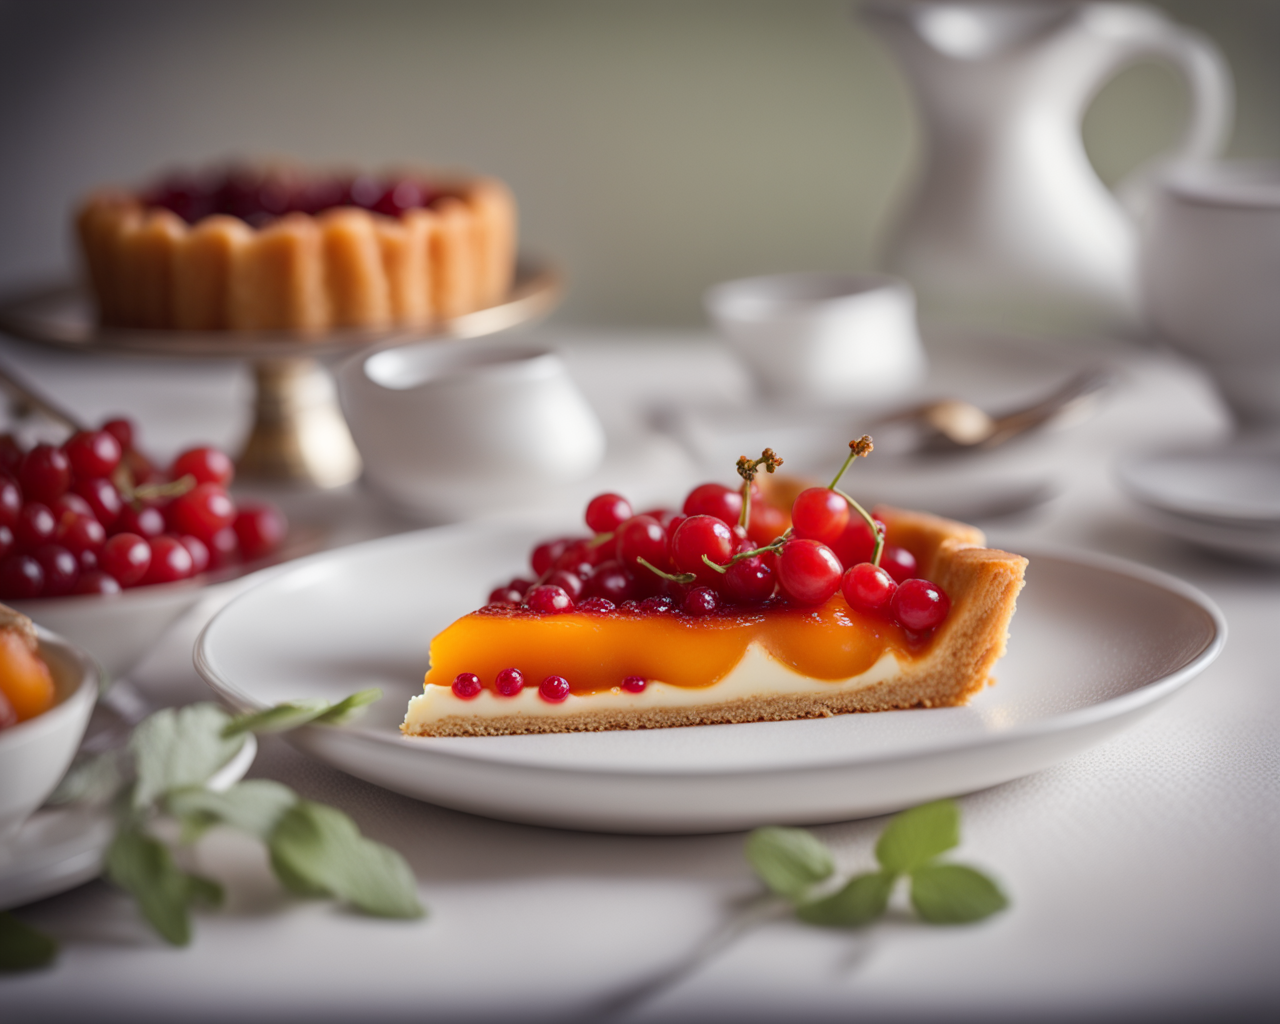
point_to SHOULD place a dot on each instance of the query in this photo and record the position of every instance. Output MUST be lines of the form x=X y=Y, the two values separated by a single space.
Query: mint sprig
x=797 y=865
x=22 y=948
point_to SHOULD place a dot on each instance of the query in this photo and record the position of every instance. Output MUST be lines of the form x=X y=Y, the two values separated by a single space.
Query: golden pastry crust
x=983 y=584
x=343 y=268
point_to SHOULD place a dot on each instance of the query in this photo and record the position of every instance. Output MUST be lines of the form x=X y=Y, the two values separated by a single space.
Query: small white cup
x=829 y=338
x=455 y=429
x=1211 y=278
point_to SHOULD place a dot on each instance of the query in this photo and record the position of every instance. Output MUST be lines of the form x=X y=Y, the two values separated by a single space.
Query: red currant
x=635 y=684
x=898 y=563
x=467 y=685
x=80 y=532
x=749 y=581
x=198 y=551
x=224 y=548
x=139 y=466
x=554 y=689
x=147 y=521
x=612 y=582
x=10 y=500
x=642 y=537
x=20 y=577
x=61 y=569
x=768 y=522
x=207 y=465
x=808 y=571
x=606 y=512
x=714 y=500
x=7 y=541
x=95 y=581
x=260 y=529
x=45 y=474
x=36 y=525
x=569 y=582
x=102 y=496
x=548 y=599
x=203 y=511
x=509 y=682
x=122 y=430
x=170 y=561
x=505 y=595
x=702 y=535
x=856 y=544
x=126 y=557
x=700 y=601
x=919 y=605
x=597 y=606
x=93 y=453
x=72 y=503
x=867 y=587
x=546 y=553
x=819 y=513
x=10 y=454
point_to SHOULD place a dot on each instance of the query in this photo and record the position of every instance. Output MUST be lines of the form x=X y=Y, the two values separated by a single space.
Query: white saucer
x=1096 y=643
x=1233 y=486
x=58 y=848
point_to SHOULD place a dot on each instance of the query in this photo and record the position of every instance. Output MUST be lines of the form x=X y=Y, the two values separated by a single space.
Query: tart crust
x=345 y=267
x=948 y=670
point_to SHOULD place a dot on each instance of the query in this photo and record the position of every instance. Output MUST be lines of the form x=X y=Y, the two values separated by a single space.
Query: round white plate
x=1095 y=644
x=1228 y=486
x=58 y=848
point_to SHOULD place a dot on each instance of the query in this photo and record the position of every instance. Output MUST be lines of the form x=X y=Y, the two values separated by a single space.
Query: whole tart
x=772 y=662
x=281 y=249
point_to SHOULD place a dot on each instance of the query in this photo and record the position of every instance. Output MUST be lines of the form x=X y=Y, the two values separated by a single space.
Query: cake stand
x=298 y=433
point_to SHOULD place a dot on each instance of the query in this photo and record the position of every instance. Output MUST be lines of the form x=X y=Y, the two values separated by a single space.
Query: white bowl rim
x=1246 y=184
x=796 y=292
x=431 y=363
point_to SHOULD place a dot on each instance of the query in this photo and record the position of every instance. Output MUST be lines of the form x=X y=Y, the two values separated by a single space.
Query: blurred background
x=655 y=148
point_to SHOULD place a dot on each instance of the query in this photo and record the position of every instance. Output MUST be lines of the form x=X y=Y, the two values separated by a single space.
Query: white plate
x=1096 y=643
x=1229 y=486
x=58 y=848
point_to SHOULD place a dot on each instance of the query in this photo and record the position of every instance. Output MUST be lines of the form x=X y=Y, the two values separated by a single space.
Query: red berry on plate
x=202 y=511
x=750 y=581
x=466 y=685
x=102 y=497
x=170 y=561
x=147 y=521
x=606 y=512
x=569 y=582
x=10 y=500
x=36 y=525
x=45 y=474
x=61 y=569
x=260 y=529
x=198 y=550
x=700 y=601
x=868 y=588
x=612 y=582
x=898 y=563
x=20 y=577
x=509 y=682
x=596 y=605
x=659 y=604
x=122 y=430
x=724 y=503
x=80 y=532
x=93 y=453
x=554 y=689
x=642 y=537
x=634 y=684
x=95 y=581
x=207 y=465
x=701 y=535
x=919 y=605
x=548 y=599
x=808 y=571
x=126 y=558
x=819 y=513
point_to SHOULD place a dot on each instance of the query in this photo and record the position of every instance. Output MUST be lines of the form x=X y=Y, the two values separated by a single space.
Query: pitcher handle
x=1141 y=32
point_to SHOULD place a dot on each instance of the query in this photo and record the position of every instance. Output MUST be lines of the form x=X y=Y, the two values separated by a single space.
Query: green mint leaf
x=789 y=860
x=280 y=718
x=22 y=948
x=255 y=806
x=915 y=837
x=178 y=748
x=143 y=867
x=861 y=901
x=93 y=780
x=349 y=707
x=318 y=849
x=203 y=892
x=954 y=894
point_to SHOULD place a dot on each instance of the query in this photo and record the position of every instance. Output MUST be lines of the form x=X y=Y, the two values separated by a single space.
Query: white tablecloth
x=1143 y=873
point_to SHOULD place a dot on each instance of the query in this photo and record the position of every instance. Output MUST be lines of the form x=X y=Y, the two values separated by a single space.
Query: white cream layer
x=758 y=674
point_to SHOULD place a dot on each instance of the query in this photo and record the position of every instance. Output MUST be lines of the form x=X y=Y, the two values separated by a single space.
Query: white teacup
x=830 y=338
x=1211 y=278
x=456 y=429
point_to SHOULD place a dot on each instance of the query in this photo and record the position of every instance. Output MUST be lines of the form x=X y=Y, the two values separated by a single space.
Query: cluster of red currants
x=94 y=516
x=705 y=557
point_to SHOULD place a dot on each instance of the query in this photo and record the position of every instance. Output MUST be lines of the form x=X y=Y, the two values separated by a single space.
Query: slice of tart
x=509 y=669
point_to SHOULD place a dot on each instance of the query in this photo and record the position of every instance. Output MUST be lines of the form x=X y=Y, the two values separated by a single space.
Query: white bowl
x=830 y=338
x=34 y=754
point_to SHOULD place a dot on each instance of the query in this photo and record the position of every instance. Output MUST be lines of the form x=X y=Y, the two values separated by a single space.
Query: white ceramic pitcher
x=1009 y=224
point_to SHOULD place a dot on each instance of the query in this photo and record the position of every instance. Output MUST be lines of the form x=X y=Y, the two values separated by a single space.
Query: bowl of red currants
x=100 y=544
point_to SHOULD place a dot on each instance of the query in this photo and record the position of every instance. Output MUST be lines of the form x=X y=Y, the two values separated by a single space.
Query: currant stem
x=601 y=538
x=860 y=448
x=747 y=469
x=149 y=492
x=718 y=568
x=678 y=577
x=871 y=523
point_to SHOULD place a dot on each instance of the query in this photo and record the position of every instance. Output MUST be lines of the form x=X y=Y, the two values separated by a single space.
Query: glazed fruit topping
x=467 y=685
x=634 y=684
x=554 y=689
x=94 y=516
x=509 y=682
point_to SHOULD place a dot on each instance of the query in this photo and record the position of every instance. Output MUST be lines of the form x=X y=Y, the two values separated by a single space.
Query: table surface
x=1142 y=873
